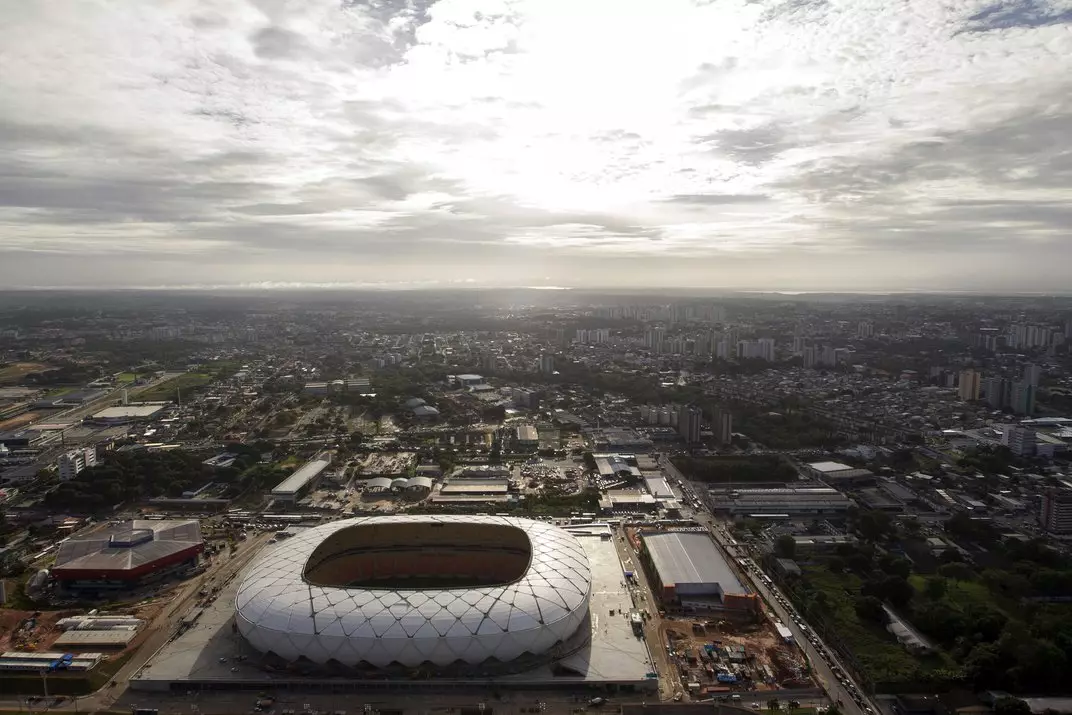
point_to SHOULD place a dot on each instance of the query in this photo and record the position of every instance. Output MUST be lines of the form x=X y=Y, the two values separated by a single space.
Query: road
x=822 y=658
x=643 y=600
x=165 y=626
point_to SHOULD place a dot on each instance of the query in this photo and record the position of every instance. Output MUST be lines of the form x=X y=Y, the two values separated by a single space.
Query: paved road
x=822 y=658
x=643 y=600
x=163 y=628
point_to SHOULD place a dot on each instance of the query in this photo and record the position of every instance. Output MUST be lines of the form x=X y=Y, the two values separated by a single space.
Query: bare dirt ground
x=17 y=370
x=704 y=648
x=19 y=420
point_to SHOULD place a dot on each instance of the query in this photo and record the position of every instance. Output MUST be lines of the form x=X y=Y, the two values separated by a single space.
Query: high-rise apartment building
x=1022 y=398
x=722 y=426
x=689 y=423
x=654 y=339
x=995 y=390
x=762 y=349
x=968 y=385
x=73 y=462
x=1055 y=511
x=865 y=329
x=547 y=364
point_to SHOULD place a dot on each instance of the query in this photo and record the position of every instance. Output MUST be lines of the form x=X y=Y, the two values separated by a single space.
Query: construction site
x=720 y=658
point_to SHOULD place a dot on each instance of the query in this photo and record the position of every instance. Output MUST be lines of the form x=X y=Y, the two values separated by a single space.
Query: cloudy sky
x=757 y=144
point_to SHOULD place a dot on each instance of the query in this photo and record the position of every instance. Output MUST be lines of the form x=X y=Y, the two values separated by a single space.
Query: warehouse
x=472 y=487
x=688 y=570
x=300 y=481
x=527 y=437
x=80 y=640
x=126 y=414
x=128 y=555
x=781 y=503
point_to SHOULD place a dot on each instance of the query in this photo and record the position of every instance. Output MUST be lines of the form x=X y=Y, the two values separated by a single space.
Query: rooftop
x=691 y=557
x=128 y=412
x=301 y=477
x=128 y=546
x=825 y=467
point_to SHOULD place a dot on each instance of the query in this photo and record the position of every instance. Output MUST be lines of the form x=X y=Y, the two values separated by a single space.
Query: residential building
x=722 y=426
x=547 y=364
x=995 y=390
x=689 y=421
x=1021 y=441
x=654 y=339
x=73 y=462
x=1022 y=398
x=1055 y=512
x=968 y=385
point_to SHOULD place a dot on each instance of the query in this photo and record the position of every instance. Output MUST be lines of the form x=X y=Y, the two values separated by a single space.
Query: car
x=597 y=701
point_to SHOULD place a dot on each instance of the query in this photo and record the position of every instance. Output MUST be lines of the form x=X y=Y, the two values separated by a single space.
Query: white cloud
x=728 y=142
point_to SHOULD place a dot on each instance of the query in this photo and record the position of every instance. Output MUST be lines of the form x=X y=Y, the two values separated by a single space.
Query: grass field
x=126 y=377
x=187 y=382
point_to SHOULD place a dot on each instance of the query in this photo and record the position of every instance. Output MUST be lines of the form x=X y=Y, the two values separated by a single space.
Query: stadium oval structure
x=410 y=590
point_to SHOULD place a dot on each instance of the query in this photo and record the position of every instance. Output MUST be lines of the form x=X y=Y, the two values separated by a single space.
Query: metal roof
x=128 y=546
x=690 y=557
x=301 y=476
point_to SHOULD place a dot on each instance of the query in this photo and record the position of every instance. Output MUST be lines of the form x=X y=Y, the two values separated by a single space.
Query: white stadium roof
x=279 y=611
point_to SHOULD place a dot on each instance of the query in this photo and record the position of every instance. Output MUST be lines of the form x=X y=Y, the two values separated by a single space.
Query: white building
x=1020 y=441
x=73 y=462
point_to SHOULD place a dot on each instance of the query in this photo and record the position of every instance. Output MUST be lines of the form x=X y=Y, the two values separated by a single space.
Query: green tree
x=957 y=571
x=936 y=587
x=869 y=608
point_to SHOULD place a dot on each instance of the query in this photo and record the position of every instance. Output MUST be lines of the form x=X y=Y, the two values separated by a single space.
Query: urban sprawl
x=535 y=501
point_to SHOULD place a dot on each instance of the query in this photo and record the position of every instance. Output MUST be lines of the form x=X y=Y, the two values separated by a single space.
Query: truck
x=637 y=622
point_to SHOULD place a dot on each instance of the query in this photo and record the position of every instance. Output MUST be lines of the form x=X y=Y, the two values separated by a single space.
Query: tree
x=957 y=571
x=936 y=587
x=773 y=704
x=1011 y=706
x=874 y=525
x=785 y=546
x=869 y=608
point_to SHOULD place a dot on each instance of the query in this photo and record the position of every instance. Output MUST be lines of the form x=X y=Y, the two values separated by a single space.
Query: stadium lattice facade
x=411 y=590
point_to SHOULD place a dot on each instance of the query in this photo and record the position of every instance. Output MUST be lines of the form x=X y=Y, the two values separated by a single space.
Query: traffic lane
x=820 y=661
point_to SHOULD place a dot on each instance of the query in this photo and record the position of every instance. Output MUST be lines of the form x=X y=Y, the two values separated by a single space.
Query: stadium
x=127 y=555
x=414 y=590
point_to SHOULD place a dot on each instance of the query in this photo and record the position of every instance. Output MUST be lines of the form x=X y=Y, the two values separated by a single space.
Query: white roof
x=127 y=411
x=301 y=476
x=278 y=611
x=829 y=466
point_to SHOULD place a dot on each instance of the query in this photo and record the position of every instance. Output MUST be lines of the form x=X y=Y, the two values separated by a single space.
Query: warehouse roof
x=691 y=557
x=825 y=467
x=129 y=545
x=301 y=477
x=128 y=412
x=77 y=639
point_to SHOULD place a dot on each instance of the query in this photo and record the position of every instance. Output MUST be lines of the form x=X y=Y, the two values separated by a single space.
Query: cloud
x=743 y=143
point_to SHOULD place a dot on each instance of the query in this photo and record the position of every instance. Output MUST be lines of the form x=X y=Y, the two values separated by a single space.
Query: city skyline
x=777 y=146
